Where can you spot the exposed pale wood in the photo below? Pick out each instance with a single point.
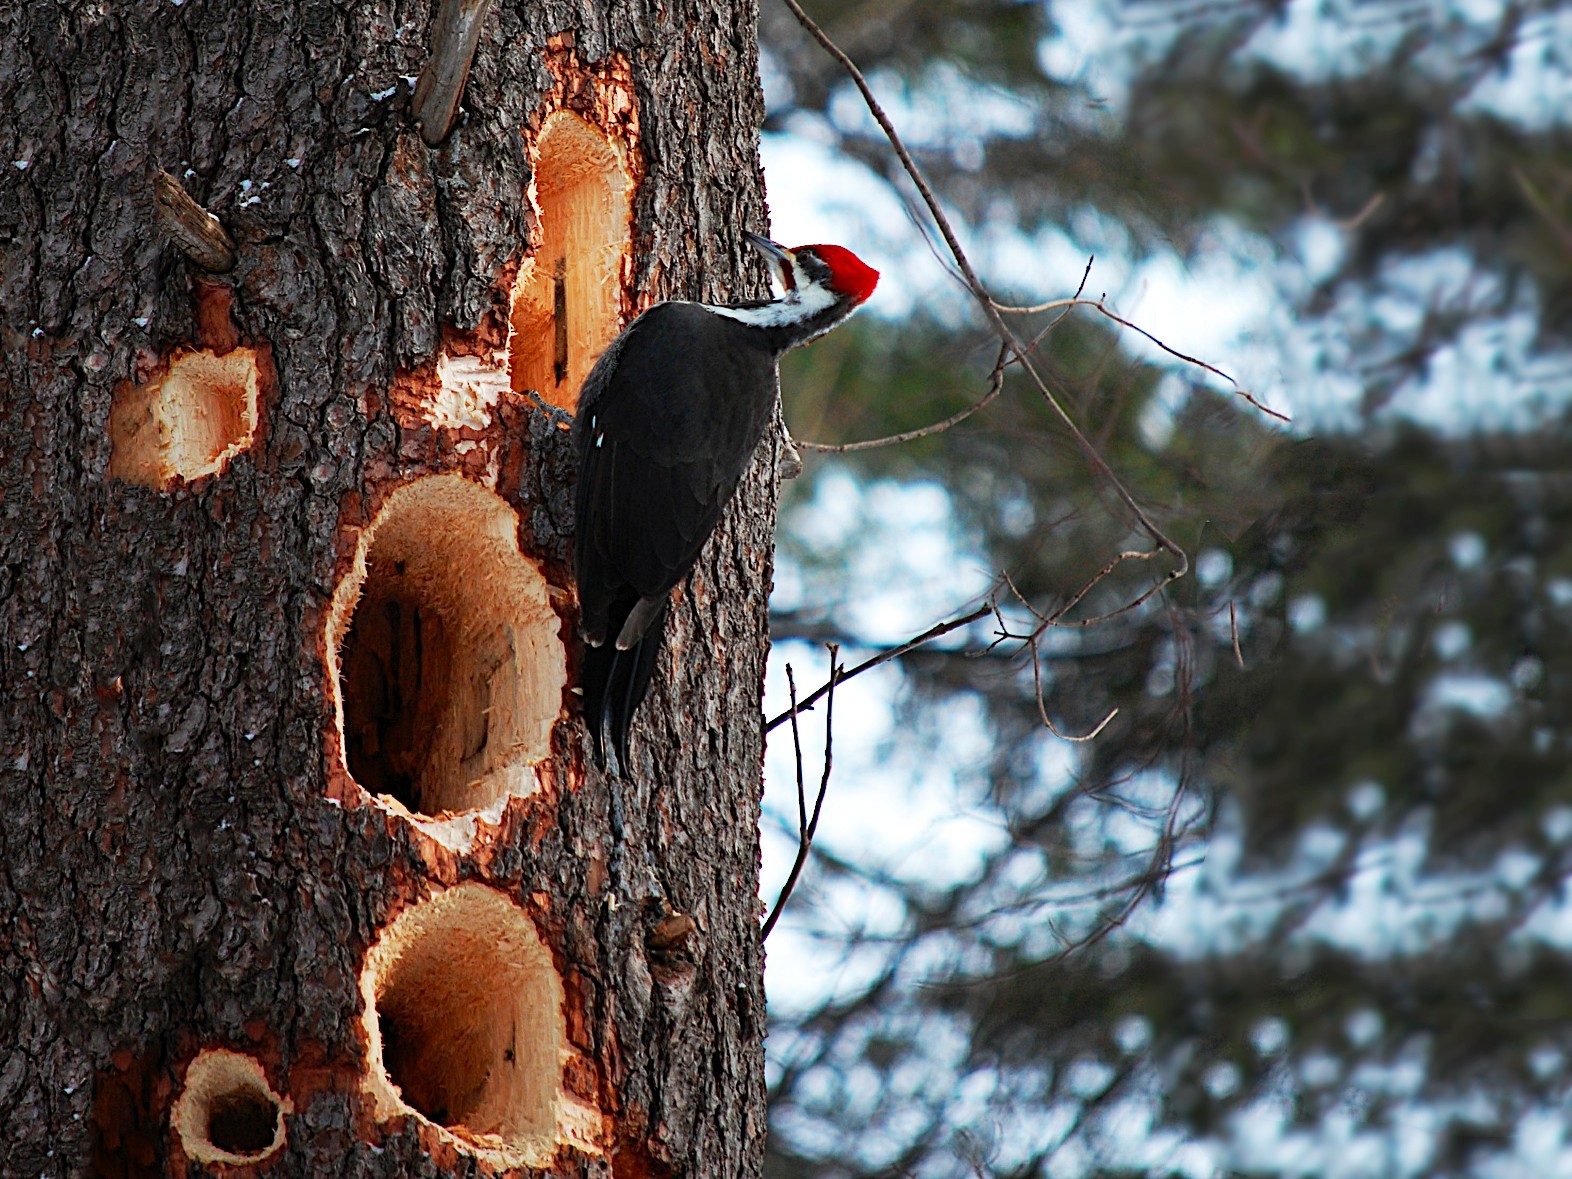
(444, 654)
(189, 421)
(464, 1017)
(227, 1112)
(567, 303)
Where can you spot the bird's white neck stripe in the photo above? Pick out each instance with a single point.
(809, 301)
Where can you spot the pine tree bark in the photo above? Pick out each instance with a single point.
(236, 886)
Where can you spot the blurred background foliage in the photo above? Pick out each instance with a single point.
(1301, 907)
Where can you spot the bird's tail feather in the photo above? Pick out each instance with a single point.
(614, 684)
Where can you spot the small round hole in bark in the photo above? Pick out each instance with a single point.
(465, 1022)
(445, 652)
(187, 422)
(567, 302)
(227, 1112)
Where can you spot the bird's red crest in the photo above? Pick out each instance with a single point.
(849, 274)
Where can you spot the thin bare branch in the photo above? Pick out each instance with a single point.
(1057, 617)
(1022, 599)
(1544, 209)
(796, 744)
(1366, 211)
(1050, 305)
(1100, 305)
(995, 387)
(806, 827)
(1174, 352)
(933, 632)
(1042, 705)
(1073, 301)
(1069, 307)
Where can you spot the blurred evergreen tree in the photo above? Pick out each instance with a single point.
(1337, 781)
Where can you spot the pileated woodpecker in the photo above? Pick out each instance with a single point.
(667, 423)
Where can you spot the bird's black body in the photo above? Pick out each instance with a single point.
(673, 411)
(667, 423)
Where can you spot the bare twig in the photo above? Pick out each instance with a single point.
(995, 387)
(1068, 305)
(1074, 300)
(1366, 211)
(796, 744)
(1174, 352)
(806, 826)
(840, 677)
(1544, 209)
(1100, 305)
(1042, 705)
(1056, 618)
(1025, 602)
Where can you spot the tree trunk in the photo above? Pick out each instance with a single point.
(304, 866)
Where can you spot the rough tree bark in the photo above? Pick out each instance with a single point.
(304, 868)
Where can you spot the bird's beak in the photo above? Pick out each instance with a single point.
(782, 261)
(769, 249)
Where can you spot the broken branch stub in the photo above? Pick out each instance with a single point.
(198, 234)
(455, 34)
